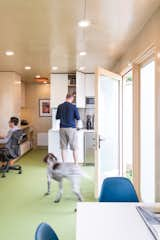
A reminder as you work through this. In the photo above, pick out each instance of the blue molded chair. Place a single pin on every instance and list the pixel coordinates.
(118, 189)
(45, 232)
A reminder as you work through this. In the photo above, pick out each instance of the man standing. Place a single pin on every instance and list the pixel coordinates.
(67, 112)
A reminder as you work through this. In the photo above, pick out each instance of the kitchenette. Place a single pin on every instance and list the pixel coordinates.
(82, 85)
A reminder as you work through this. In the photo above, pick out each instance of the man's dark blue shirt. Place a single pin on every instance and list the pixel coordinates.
(67, 113)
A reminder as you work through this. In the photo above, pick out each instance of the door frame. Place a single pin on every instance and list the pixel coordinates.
(101, 71)
(151, 53)
(129, 69)
(154, 53)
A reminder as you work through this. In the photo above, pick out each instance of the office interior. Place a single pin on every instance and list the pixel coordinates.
(107, 53)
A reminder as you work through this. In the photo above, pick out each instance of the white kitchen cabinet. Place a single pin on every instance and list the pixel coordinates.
(59, 89)
(89, 85)
(54, 146)
(80, 90)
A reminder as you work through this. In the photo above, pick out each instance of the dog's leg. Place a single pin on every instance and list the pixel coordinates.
(48, 185)
(75, 181)
(60, 192)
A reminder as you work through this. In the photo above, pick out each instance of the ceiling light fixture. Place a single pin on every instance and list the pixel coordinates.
(82, 53)
(84, 23)
(54, 68)
(9, 53)
(38, 76)
(27, 67)
(45, 82)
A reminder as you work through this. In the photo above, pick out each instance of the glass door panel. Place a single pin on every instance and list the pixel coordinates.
(127, 126)
(107, 126)
(147, 133)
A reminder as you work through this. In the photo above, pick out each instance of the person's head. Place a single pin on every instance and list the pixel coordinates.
(13, 122)
(70, 97)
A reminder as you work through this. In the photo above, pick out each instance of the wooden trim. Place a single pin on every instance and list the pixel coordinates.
(157, 125)
(136, 127)
(146, 54)
(96, 127)
(141, 60)
(126, 70)
(102, 71)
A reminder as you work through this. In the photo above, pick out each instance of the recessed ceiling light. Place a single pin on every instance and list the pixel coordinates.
(27, 67)
(17, 82)
(129, 64)
(9, 53)
(81, 68)
(84, 23)
(82, 53)
(54, 68)
(45, 82)
(38, 76)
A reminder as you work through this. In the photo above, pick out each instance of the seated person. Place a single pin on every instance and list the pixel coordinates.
(13, 125)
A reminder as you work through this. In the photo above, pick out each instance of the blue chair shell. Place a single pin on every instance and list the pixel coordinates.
(45, 232)
(118, 189)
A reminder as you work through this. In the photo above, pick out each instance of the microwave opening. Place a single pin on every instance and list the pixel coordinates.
(90, 102)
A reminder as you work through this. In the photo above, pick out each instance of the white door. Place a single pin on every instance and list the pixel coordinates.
(107, 126)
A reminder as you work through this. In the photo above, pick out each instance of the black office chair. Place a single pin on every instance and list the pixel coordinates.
(11, 151)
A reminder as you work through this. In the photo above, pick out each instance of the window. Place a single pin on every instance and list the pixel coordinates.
(127, 125)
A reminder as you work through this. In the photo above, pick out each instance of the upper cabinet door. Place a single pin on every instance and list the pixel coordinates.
(90, 85)
(59, 89)
(80, 90)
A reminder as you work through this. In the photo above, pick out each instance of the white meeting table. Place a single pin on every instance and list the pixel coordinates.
(110, 221)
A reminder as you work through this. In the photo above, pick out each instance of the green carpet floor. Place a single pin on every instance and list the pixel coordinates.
(23, 205)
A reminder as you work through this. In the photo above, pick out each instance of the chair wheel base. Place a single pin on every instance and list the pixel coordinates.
(3, 176)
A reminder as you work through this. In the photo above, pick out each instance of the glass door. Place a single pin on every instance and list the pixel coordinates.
(147, 132)
(107, 126)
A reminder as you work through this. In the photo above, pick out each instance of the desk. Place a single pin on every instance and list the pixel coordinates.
(110, 221)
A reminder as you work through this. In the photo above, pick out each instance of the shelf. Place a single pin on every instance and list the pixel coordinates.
(72, 85)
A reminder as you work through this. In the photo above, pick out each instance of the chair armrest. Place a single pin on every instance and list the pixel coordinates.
(4, 151)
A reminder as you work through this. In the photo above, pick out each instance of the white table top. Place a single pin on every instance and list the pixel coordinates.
(110, 221)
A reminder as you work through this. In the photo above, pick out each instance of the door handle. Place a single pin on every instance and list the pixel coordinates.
(100, 139)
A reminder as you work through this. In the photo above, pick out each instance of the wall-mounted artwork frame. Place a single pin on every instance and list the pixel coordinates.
(45, 108)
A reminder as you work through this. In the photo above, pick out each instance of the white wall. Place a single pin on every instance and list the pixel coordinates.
(35, 92)
(149, 35)
(10, 95)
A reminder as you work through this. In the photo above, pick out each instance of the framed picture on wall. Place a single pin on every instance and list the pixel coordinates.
(44, 108)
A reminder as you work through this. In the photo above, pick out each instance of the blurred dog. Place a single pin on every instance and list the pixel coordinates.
(59, 170)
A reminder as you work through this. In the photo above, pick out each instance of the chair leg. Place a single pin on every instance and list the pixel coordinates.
(4, 169)
(16, 168)
(3, 175)
(20, 170)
